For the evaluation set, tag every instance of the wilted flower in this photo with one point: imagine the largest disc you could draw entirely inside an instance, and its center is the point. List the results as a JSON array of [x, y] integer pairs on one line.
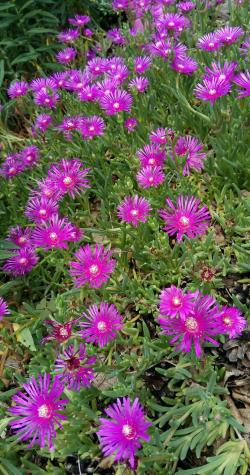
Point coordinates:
[[130, 124], [115, 102], [20, 236], [3, 308], [38, 411], [74, 367], [17, 89], [66, 56], [21, 263], [211, 89], [69, 177], [60, 332], [174, 302], [245, 48], [92, 266], [134, 210], [42, 122], [41, 209], [101, 325], [198, 327], [190, 147], [187, 218], [150, 176], [231, 321], [121, 434], [243, 80]]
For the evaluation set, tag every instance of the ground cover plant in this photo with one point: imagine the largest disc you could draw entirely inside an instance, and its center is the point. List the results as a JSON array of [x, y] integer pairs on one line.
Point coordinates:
[[125, 242]]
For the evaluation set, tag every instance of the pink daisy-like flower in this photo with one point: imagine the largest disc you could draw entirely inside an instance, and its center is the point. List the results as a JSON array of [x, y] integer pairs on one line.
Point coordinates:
[[42, 122], [150, 176], [88, 32], [21, 263], [186, 7], [107, 86], [60, 332], [209, 42], [120, 4], [17, 89], [243, 80], [4, 309], [190, 147], [20, 236], [43, 84], [69, 125], [69, 177], [175, 303], [139, 83], [46, 189], [38, 411], [231, 321], [53, 233], [93, 267], [186, 218], [89, 93], [224, 73], [46, 99], [121, 434], [91, 127], [134, 210], [115, 63], [184, 65], [41, 209], [115, 102], [79, 20], [60, 79], [12, 166], [197, 328], [173, 21], [152, 155], [76, 233], [29, 156], [74, 367], [76, 80], [97, 66], [245, 48], [162, 48], [142, 64], [115, 35], [211, 89], [158, 136], [101, 325], [130, 124], [228, 35], [66, 56], [119, 74], [68, 36]]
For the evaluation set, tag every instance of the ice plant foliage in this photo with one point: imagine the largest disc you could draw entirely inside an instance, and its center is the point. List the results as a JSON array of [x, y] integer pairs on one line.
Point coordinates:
[[122, 433], [38, 411]]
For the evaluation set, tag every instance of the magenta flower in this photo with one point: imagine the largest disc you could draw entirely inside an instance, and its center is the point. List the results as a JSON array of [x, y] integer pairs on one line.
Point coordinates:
[[43, 84], [121, 434], [139, 83], [162, 48], [107, 86], [79, 20], [224, 73], [209, 42], [198, 327], [42, 122], [92, 266], [134, 210], [60, 79], [115, 63], [69, 125], [120, 4], [150, 176], [101, 325], [184, 65], [77, 80], [115, 102], [231, 321], [74, 367], [211, 89], [12, 166], [54, 233], [4, 309], [46, 99], [190, 147], [41, 209], [130, 124], [158, 136], [20, 236], [186, 7], [173, 21], [88, 32], [38, 411], [89, 93], [243, 80], [186, 218], [97, 66], [245, 48], [115, 35], [76, 233], [21, 263], [175, 303], [91, 127], [29, 156], [68, 36], [118, 74], [66, 55], [47, 190], [142, 64], [69, 177], [17, 89], [60, 332], [228, 35], [152, 155]]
